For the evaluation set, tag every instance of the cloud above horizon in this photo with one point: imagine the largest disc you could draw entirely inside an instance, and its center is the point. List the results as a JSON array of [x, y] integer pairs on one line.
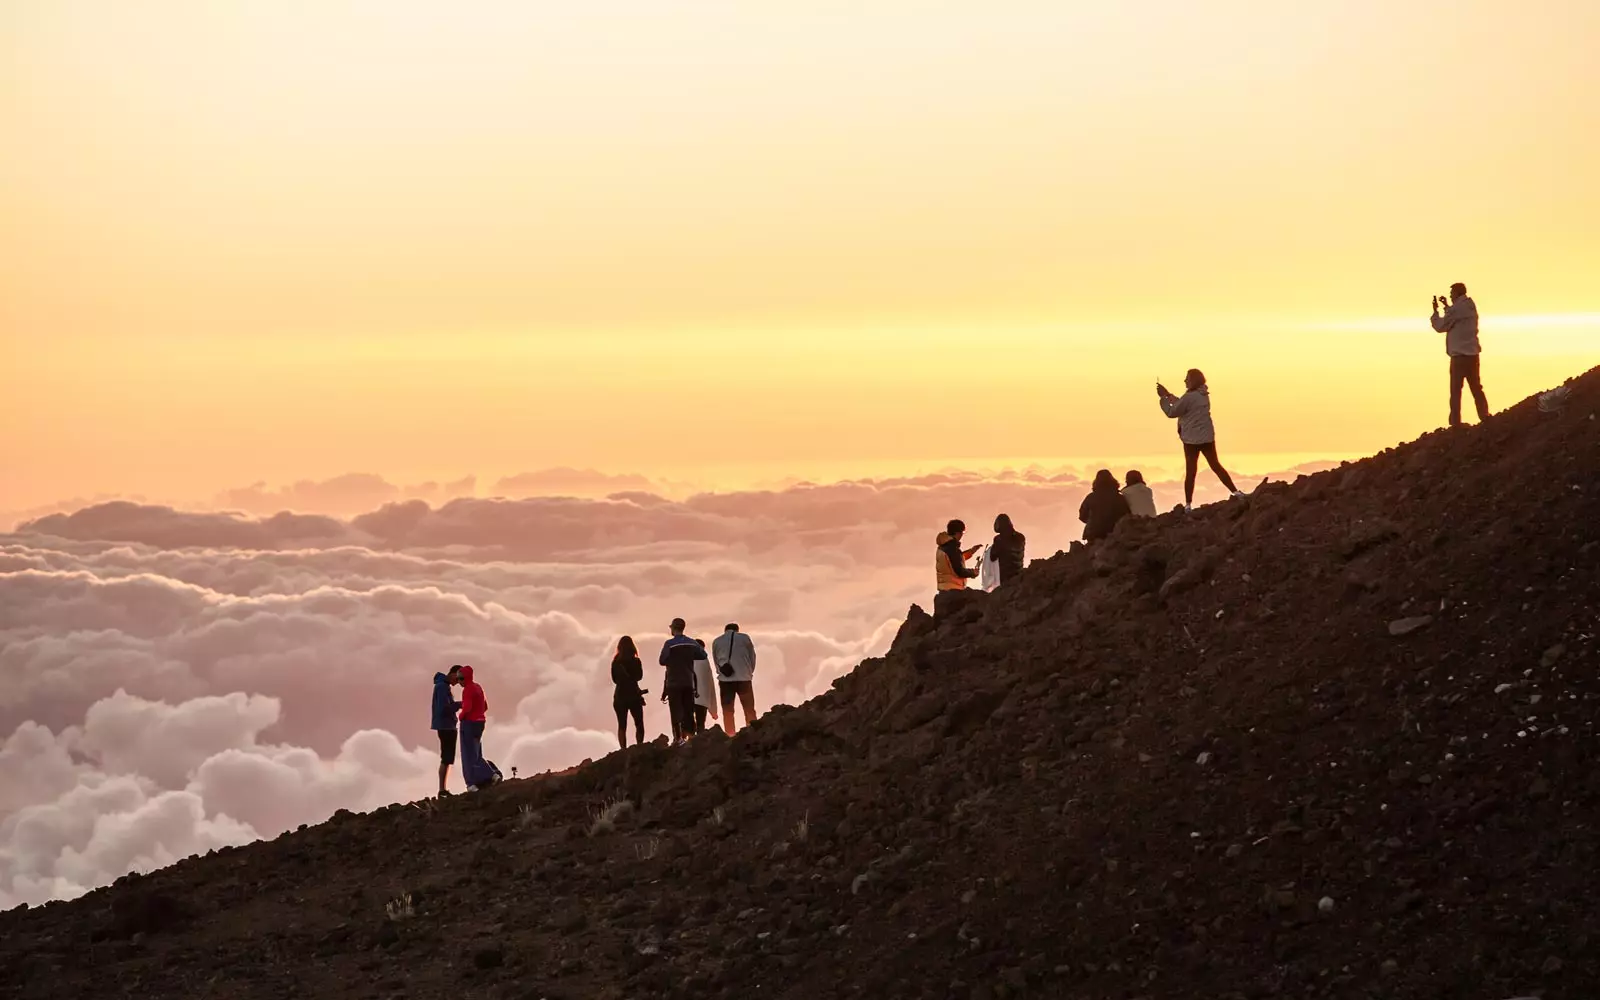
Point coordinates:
[[159, 660]]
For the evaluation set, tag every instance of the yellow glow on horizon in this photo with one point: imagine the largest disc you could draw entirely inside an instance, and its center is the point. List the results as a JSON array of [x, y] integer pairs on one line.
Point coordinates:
[[275, 240]]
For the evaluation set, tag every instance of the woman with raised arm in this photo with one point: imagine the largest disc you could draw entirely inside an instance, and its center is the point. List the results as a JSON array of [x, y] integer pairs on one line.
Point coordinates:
[[1192, 411]]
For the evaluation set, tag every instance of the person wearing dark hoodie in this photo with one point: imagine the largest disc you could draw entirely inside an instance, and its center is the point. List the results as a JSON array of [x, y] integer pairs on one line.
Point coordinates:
[[1102, 508], [474, 713], [950, 559], [679, 684], [1192, 411], [627, 670], [445, 707], [1007, 550]]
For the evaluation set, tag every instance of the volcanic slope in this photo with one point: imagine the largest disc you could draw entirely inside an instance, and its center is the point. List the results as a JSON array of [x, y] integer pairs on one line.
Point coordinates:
[[1335, 740]]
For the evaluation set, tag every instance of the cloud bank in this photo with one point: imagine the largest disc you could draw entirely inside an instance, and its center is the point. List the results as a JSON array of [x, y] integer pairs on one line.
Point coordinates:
[[176, 680]]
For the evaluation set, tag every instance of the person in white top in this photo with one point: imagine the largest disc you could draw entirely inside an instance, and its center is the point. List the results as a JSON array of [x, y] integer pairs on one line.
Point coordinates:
[[1141, 500], [705, 692], [735, 657]]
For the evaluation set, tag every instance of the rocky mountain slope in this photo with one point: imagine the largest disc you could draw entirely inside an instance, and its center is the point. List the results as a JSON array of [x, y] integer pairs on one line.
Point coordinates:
[[1335, 740]]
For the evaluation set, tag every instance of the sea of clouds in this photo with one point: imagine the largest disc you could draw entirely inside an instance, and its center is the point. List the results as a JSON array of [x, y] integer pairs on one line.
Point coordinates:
[[176, 680]]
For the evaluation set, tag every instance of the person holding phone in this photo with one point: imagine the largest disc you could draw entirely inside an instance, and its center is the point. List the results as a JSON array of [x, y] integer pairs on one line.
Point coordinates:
[[1459, 324], [1192, 411], [950, 559]]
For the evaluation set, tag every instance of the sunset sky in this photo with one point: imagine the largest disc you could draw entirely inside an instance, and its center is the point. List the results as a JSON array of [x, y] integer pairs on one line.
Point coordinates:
[[720, 243]]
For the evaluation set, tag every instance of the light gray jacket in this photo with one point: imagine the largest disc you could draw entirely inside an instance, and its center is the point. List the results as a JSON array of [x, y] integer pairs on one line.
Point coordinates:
[[737, 649], [1192, 410], [1459, 324]]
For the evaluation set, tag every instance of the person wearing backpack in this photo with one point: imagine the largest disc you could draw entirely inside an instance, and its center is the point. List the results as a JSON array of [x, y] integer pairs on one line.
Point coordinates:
[[735, 656], [678, 685], [477, 772]]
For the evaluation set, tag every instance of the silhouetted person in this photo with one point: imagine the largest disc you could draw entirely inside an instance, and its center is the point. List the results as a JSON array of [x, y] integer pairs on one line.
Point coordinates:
[[950, 559], [678, 684], [445, 707], [1141, 499], [474, 713], [627, 698], [1459, 324], [1192, 410], [1007, 550], [735, 656], [1102, 508], [705, 690]]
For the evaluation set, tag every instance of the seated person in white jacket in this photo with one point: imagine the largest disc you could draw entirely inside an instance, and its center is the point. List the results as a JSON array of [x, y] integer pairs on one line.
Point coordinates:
[[1141, 500], [735, 658]]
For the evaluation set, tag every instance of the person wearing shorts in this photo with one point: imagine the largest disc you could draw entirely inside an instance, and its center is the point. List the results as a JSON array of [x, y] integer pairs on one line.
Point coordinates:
[[445, 707], [734, 654]]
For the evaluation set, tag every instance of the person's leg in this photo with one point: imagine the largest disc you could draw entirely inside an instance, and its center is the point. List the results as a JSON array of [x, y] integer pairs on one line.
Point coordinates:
[[747, 698], [1457, 374], [472, 753], [447, 756], [1474, 375], [699, 718], [638, 723], [675, 707], [1191, 465], [1209, 450], [622, 725], [727, 694]]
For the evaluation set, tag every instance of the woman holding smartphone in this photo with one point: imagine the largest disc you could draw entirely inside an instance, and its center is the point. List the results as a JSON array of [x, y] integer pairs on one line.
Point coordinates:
[[1192, 411]]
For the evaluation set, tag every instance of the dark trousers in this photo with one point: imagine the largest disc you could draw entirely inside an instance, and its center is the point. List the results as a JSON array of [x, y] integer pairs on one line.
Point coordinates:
[[473, 770], [1191, 465], [623, 711], [1464, 368], [681, 705], [699, 718]]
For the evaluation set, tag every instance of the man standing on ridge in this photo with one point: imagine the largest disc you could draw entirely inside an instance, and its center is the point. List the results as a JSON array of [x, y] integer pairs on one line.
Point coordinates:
[[735, 656], [1459, 324], [950, 559], [678, 686], [445, 707]]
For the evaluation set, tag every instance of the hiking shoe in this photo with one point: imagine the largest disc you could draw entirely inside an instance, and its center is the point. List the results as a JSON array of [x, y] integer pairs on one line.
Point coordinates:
[[1236, 495], [445, 793]]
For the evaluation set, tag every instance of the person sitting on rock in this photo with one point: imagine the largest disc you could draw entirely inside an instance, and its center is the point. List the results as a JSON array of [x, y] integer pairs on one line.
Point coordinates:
[[950, 559], [678, 685], [705, 690], [1141, 499], [1102, 508], [1007, 550]]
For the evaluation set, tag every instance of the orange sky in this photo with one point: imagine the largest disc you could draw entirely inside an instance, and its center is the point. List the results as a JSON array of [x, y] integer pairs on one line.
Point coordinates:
[[278, 239]]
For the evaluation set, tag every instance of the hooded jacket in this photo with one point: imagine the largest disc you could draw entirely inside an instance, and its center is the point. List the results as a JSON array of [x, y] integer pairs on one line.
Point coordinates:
[[949, 565], [1101, 510], [738, 651], [474, 706], [1192, 410], [444, 703], [1007, 550], [1141, 499], [678, 655], [1459, 324], [705, 691]]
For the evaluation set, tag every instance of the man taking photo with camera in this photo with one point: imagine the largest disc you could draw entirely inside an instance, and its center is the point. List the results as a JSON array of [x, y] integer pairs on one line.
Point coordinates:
[[1459, 324]]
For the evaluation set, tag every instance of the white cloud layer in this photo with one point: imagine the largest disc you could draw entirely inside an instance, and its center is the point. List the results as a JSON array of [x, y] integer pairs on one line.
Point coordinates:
[[179, 680]]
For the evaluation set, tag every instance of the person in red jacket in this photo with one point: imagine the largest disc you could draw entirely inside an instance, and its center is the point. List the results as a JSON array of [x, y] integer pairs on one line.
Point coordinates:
[[474, 711]]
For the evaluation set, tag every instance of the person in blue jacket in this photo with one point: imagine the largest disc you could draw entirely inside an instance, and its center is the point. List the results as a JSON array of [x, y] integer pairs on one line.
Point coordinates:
[[445, 707]]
